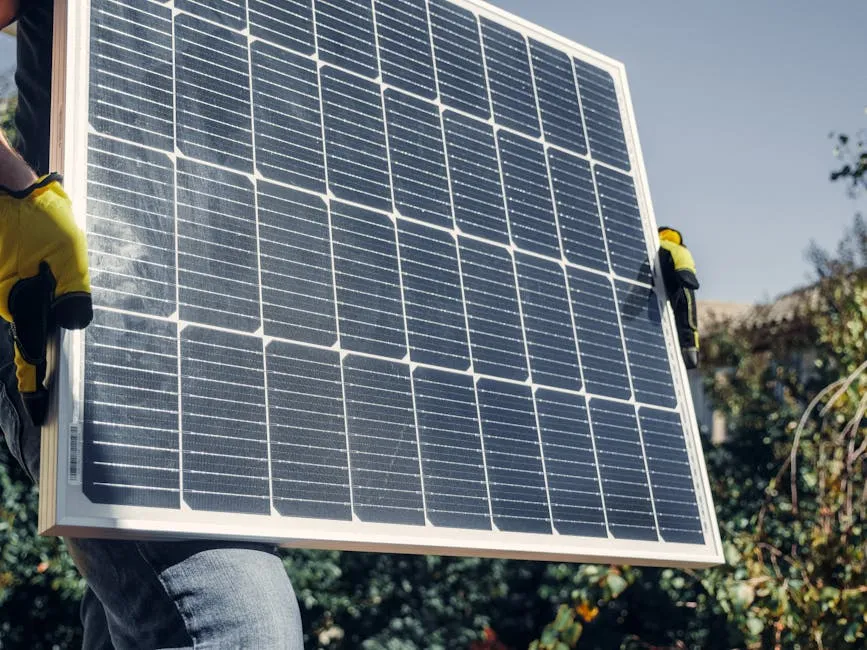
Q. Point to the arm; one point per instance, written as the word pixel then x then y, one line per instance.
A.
pixel 43 270
pixel 14 172
pixel 8 11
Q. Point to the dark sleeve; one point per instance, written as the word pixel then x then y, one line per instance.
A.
pixel 33 78
pixel 669 275
pixel 688 279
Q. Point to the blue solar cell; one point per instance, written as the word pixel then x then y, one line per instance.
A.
pixel 645 345
pixel 131 89
pixel 130 452
pixel 369 304
pixel 405 54
pixel 511 81
pixel 231 13
pixel 548 323
pixel 288 24
pixel 671 477
pixel 130 230
pixel 458 55
pixel 383 443
pixel 418 163
pixel 287 117
pixel 558 97
pixel 225 453
pixel 578 211
pixel 434 306
pixel 496 337
pixel 295 256
pixel 212 94
pixel 355 139
pixel 623 225
pixel 309 458
pixel 453 462
pixel 218 268
pixel 624 476
pixel 599 342
pixel 477 190
pixel 519 497
pixel 570 463
pixel 602 115
pixel 528 195
pixel 345 34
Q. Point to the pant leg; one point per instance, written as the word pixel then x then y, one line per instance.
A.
pixel 192 594
pixel 96 635
pixel 686 317
pixel 188 594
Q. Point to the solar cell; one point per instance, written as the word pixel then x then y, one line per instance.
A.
pixel 496 335
pixel 131 86
pixel 296 269
pixel 369 274
pixel 509 78
pixel 578 211
pixel 367 277
pixel 548 323
pixel 435 317
pixel 458 53
pixel 355 148
pixel 345 36
pixel 558 97
pixel 452 453
pixel 383 441
pixel 418 164
pixel 528 195
pixel 309 460
pixel 405 51
pixel 287 117
pixel 571 464
pixel 601 109
pixel 477 187
pixel 288 23
pixel 212 94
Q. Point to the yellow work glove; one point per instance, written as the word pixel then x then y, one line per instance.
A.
pixel 44 279
pixel 681 282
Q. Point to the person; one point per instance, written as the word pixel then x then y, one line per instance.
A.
pixel 140 594
pixel 681 283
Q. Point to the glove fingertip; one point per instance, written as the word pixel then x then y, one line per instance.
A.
pixel 73 311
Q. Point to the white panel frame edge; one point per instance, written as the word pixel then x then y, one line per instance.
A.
pixel 64 510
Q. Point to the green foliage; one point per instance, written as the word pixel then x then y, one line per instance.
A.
pixel 593 585
pixel 402 602
pixel 39 586
pixel 852 155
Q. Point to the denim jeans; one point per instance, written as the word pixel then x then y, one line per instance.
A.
pixel 186 594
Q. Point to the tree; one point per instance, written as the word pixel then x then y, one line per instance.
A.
pixel 852 155
pixel 789 488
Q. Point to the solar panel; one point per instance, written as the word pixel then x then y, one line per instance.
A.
pixel 368 274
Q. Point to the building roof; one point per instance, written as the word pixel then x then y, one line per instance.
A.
pixel 786 317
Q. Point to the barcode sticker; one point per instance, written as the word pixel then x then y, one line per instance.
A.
pixel 75 451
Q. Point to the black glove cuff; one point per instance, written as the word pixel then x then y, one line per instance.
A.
pixel 27 191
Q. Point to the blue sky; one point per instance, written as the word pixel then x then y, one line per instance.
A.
pixel 734 102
